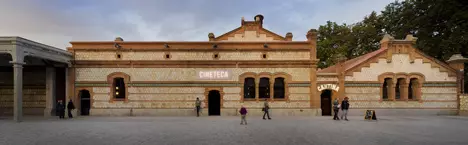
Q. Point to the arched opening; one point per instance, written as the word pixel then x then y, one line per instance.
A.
pixel 85 102
pixel 326 102
pixel 399 88
pixel 264 88
pixel 413 89
pixel 279 88
pixel 386 87
pixel 249 88
pixel 214 103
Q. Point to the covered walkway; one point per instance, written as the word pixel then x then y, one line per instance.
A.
pixel 45 71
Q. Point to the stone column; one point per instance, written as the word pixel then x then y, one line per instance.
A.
pixel 314 95
pixel 50 91
pixel 18 90
pixel 272 88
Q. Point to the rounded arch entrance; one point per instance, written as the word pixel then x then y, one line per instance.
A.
pixel 85 102
pixel 214 100
pixel 326 98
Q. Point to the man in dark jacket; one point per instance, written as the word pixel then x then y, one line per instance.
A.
pixel 61 109
pixel 344 108
pixel 70 107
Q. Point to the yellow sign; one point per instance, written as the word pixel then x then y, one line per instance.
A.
pixel 328 86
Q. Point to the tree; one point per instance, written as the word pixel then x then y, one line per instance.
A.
pixel 333 42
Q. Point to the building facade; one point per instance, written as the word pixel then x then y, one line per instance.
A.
pixel 242 67
pixel 398 79
pixel 245 66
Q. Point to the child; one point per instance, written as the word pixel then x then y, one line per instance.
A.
pixel 243 112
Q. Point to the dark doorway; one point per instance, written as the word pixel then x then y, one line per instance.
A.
pixel 85 102
pixel 326 102
pixel 214 103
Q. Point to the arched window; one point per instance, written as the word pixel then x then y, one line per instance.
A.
pixel 264 88
pixel 413 89
pixel 399 88
pixel 119 85
pixel 279 88
pixel 249 88
pixel 386 87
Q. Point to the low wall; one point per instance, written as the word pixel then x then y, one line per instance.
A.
pixel 192 112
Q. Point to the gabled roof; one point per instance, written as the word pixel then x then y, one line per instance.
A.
pixel 385 46
pixel 256 25
pixel 349 64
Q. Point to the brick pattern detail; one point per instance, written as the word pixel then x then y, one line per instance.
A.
pixel 164 90
pixel 445 90
pixel 404 104
pixel 165 97
pixel 180 74
pixel 441 97
pixel 234 90
pixel 400 63
pixel 250 36
pixel 273 105
pixel 120 104
pixel 281 55
pixel 464 102
pixel 319 79
pixel 299 90
pixel 369 97
pixel 295 97
pixel 32 98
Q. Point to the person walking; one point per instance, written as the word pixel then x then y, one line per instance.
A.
pixel 70 107
pixel 198 106
pixel 61 109
pixel 336 108
pixel 243 112
pixel 344 108
pixel 266 109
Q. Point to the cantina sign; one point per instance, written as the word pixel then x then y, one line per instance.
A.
pixel 214 75
pixel 328 86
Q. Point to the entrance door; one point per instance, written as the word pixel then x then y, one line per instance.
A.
pixel 85 102
pixel 214 103
pixel 326 102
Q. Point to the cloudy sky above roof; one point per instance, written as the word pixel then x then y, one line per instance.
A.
pixel 57 22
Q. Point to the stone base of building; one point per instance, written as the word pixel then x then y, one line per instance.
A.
pixel 26 111
pixel 204 112
pixel 463 113
pixel 404 112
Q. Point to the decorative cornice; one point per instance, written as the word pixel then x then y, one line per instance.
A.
pixel 234 84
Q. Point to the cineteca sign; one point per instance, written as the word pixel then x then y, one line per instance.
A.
pixel 329 87
pixel 215 75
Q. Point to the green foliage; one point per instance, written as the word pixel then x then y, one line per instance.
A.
pixel 440 25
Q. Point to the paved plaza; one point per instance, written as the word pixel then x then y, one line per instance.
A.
pixel 436 130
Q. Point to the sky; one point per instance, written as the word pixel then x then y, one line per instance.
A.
pixel 57 22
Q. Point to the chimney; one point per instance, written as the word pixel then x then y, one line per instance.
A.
pixel 289 36
pixel 457 61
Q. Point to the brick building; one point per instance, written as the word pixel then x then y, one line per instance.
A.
pixel 243 67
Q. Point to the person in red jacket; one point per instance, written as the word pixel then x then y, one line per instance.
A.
pixel 243 112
